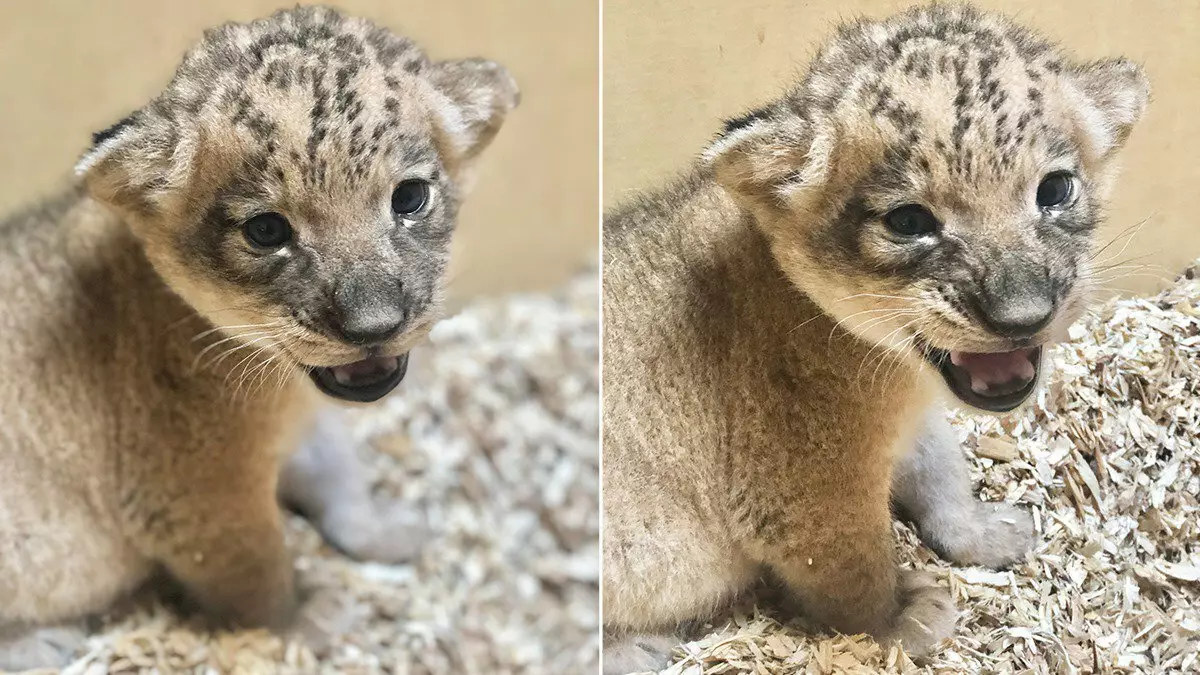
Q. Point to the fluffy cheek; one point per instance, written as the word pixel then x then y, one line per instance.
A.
pixel 223 303
pixel 1074 304
pixel 862 304
pixel 229 308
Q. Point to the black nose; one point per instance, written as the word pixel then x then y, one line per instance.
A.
pixel 373 326
pixel 368 307
pixel 1017 319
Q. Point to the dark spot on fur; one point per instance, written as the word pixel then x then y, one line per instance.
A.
pixel 960 129
pixel 105 134
pixel 746 120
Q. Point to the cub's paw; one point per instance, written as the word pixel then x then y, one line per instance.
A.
pixel 386 535
pixel 927 615
pixel 323 617
pixel 637 653
pixel 993 535
pixel 52 647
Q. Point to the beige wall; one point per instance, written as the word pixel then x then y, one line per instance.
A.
pixel 674 68
pixel 69 67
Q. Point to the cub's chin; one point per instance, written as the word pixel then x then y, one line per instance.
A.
pixel 992 381
pixel 362 381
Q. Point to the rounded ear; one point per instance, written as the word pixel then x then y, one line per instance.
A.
pixel 129 163
pixel 476 97
pixel 767 154
pixel 1118 92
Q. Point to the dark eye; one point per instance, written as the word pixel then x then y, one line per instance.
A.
pixel 267 230
pixel 911 220
pixel 1055 190
pixel 410 197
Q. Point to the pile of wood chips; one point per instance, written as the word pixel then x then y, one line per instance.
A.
pixel 1109 462
pixel 494 437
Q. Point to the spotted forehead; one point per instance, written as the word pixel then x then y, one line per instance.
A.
pixel 308 90
pixel 951 91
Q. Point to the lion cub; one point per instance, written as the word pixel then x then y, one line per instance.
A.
pixel 270 231
pixel 912 219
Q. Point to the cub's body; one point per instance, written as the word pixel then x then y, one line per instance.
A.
pixel 117 444
pixel 740 425
pixel 912 218
pixel 269 232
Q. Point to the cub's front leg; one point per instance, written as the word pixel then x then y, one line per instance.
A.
pixel 846 577
pixel 932 488
pixel 831 544
pixel 213 523
pixel 325 482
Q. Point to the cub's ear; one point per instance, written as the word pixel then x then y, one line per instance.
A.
pixel 767 154
pixel 478 94
pixel 1117 91
pixel 128 165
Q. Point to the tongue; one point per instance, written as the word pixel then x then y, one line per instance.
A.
pixel 365 371
pixel 991 371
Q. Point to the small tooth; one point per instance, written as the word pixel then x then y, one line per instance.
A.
pixel 1025 369
pixel 341 376
pixel 956 358
pixel 978 385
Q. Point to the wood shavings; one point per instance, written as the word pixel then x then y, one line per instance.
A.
pixel 1109 461
pixel 998 449
pixel 494 437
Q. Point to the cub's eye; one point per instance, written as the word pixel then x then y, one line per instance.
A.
pixel 410 197
pixel 1055 190
pixel 267 231
pixel 911 220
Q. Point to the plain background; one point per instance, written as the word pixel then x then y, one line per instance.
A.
pixel 68 68
pixel 673 69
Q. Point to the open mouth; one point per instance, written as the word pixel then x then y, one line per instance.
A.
pixel 996 381
pixel 362 381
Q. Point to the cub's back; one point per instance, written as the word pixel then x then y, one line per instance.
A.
pixel 57 307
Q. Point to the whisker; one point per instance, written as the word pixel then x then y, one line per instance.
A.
pixel 874 295
pixel 269 324
pixel 890 352
pixel 218 358
pixel 1132 231
pixel 896 357
pixel 875 321
pixel 843 320
pixel 223 341
pixel 256 341
pixel 882 343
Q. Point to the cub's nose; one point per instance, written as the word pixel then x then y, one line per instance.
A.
pixel 1017 318
pixel 373 326
pixel 368 307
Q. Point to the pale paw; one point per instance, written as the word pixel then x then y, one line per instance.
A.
pixel 385 535
pixel 637 653
pixel 52 647
pixel 994 535
pixel 927 615
pixel 324 616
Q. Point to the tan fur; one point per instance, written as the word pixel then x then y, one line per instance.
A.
pixel 152 394
pixel 766 398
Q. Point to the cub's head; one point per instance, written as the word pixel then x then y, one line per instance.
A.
pixel 935 183
pixel 298 181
